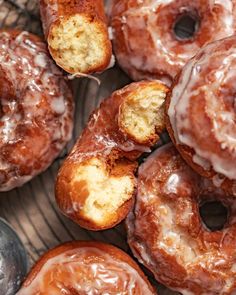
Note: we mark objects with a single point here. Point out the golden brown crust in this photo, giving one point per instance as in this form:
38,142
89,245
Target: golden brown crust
186,152
69,193
115,254
167,234
161,53
96,184
201,128
36,108
55,14
160,114
52,10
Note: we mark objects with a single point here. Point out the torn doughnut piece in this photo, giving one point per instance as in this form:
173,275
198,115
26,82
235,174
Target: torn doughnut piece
96,183
77,35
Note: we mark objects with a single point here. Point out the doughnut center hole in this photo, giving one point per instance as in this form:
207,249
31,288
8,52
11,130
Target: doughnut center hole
214,215
186,27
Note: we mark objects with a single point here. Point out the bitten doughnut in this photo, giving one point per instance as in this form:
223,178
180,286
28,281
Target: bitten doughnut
166,234
96,183
145,41
86,268
201,112
36,109
77,35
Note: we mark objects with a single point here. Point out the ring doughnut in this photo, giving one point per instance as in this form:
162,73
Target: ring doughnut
201,112
166,234
96,184
36,110
160,53
86,268
77,35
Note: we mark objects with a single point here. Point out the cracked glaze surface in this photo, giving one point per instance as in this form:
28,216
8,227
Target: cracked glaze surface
164,55
88,270
180,251
36,108
202,106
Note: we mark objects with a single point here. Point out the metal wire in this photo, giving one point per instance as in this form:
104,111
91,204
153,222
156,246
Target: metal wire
20,14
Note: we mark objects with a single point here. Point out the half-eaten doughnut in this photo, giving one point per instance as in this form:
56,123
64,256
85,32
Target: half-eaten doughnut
96,183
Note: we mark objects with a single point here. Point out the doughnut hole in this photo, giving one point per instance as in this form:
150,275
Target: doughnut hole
100,191
214,215
141,118
186,26
74,47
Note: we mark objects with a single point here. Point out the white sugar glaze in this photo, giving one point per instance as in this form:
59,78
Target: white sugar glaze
103,140
165,53
93,274
208,79
40,102
166,234
102,135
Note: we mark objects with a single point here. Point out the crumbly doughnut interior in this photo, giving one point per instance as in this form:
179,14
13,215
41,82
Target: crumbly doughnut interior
78,43
107,193
142,114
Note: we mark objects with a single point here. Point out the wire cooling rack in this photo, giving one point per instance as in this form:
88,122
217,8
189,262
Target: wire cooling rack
31,209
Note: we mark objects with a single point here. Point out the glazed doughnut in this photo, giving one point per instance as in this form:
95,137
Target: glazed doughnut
96,184
36,111
160,53
166,234
201,111
77,35
86,268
